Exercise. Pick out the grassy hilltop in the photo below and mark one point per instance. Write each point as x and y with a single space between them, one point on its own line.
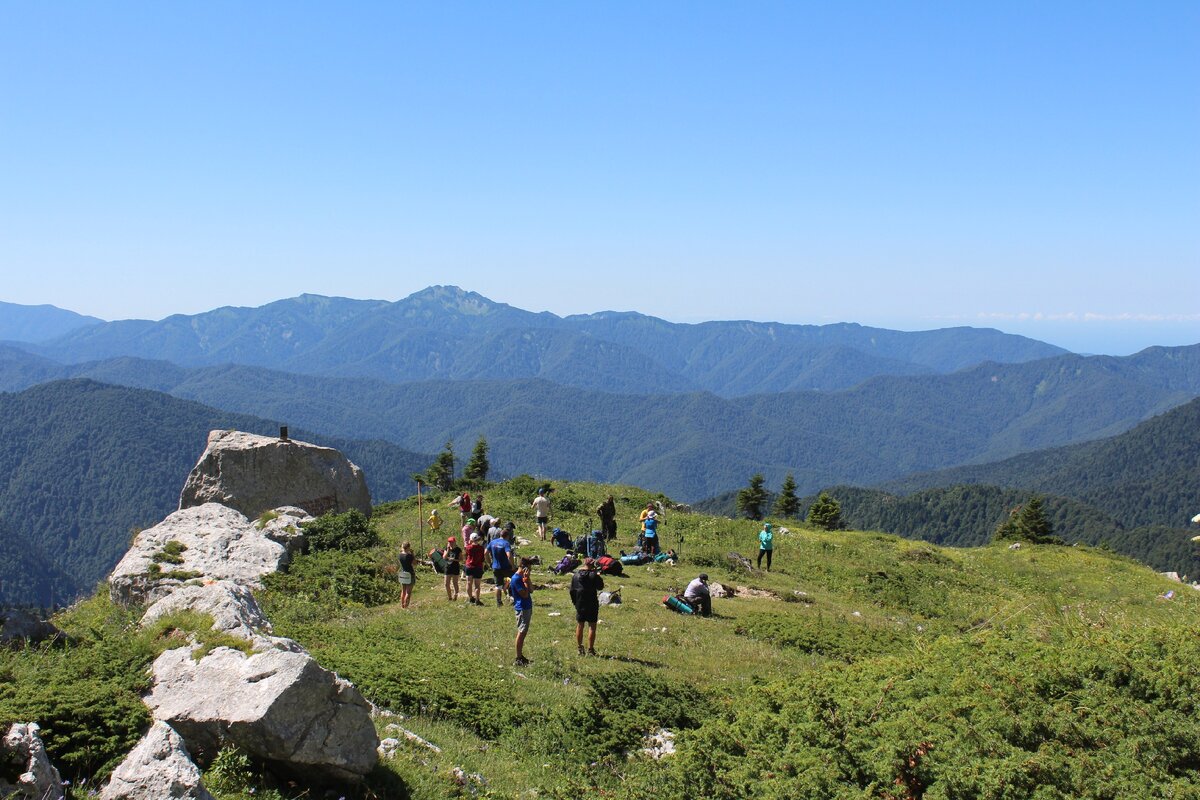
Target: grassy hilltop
863 666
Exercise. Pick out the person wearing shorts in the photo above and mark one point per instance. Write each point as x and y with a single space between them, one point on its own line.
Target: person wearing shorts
502 568
585 596
541 509
473 568
453 555
522 594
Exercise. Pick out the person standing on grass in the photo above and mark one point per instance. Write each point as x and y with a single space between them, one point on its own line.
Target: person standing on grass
541 510
435 521
463 504
585 596
766 545
502 567
607 512
473 568
522 595
646 512
453 555
408 573
650 534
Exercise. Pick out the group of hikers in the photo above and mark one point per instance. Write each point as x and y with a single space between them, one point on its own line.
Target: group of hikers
486 541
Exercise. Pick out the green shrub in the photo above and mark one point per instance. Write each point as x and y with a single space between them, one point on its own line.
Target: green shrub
346 532
331 579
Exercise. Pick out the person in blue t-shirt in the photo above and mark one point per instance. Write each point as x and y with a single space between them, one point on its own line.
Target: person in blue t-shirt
766 545
522 593
650 535
502 566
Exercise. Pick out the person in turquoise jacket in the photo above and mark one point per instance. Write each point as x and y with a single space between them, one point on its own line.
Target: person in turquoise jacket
766 545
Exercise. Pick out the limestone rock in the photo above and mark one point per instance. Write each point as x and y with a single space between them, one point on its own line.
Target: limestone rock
219 542
158 768
256 473
18 626
278 706
23 759
232 607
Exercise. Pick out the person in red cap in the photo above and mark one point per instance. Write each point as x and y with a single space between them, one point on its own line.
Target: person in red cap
453 556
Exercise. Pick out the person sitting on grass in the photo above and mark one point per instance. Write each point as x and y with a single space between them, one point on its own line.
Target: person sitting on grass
585 596
522 594
698 596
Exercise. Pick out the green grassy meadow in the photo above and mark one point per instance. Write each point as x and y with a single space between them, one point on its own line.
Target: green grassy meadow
863 666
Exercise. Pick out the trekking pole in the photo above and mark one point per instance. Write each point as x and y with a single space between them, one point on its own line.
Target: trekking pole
421 518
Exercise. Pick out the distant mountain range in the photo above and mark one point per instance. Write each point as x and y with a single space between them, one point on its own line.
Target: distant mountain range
696 445
446 333
84 463
20 323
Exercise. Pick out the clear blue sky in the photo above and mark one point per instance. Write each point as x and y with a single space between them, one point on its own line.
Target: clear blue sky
1029 166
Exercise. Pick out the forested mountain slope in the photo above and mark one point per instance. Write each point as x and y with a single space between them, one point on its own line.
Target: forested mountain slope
698 445
83 463
1149 475
447 333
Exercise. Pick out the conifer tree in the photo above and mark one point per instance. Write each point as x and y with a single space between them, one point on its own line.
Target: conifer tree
750 501
825 513
441 471
1033 524
787 504
476 471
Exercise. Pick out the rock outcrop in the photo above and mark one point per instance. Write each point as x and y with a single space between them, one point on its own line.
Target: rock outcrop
232 607
157 769
212 542
240 518
25 769
256 473
277 706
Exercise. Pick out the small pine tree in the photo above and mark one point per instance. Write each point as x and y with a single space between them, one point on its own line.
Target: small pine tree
476 471
441 471
825 513
1034 525
787 504
1027 523
750 501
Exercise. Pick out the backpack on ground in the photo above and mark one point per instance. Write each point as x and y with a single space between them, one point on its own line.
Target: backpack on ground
439 561
634 559
590 545
568 563
607 565
678 604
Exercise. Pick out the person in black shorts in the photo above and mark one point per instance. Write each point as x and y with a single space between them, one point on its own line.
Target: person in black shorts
453 556
585 595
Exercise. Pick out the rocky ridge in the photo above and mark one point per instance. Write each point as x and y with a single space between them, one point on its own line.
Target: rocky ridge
270 699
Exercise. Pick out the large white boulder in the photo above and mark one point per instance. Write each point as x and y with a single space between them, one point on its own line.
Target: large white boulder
158 768
232 607
278 706
256 473
218 542
23 758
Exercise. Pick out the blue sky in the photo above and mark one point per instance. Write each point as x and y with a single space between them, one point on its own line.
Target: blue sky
1033 167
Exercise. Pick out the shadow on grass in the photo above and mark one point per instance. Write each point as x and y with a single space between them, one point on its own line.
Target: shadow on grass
632 660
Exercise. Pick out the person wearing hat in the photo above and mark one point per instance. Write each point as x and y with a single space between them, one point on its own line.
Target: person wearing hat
468 529
650 534
766 544
453 555
698 596
585 596
473 568
435 521
541 510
